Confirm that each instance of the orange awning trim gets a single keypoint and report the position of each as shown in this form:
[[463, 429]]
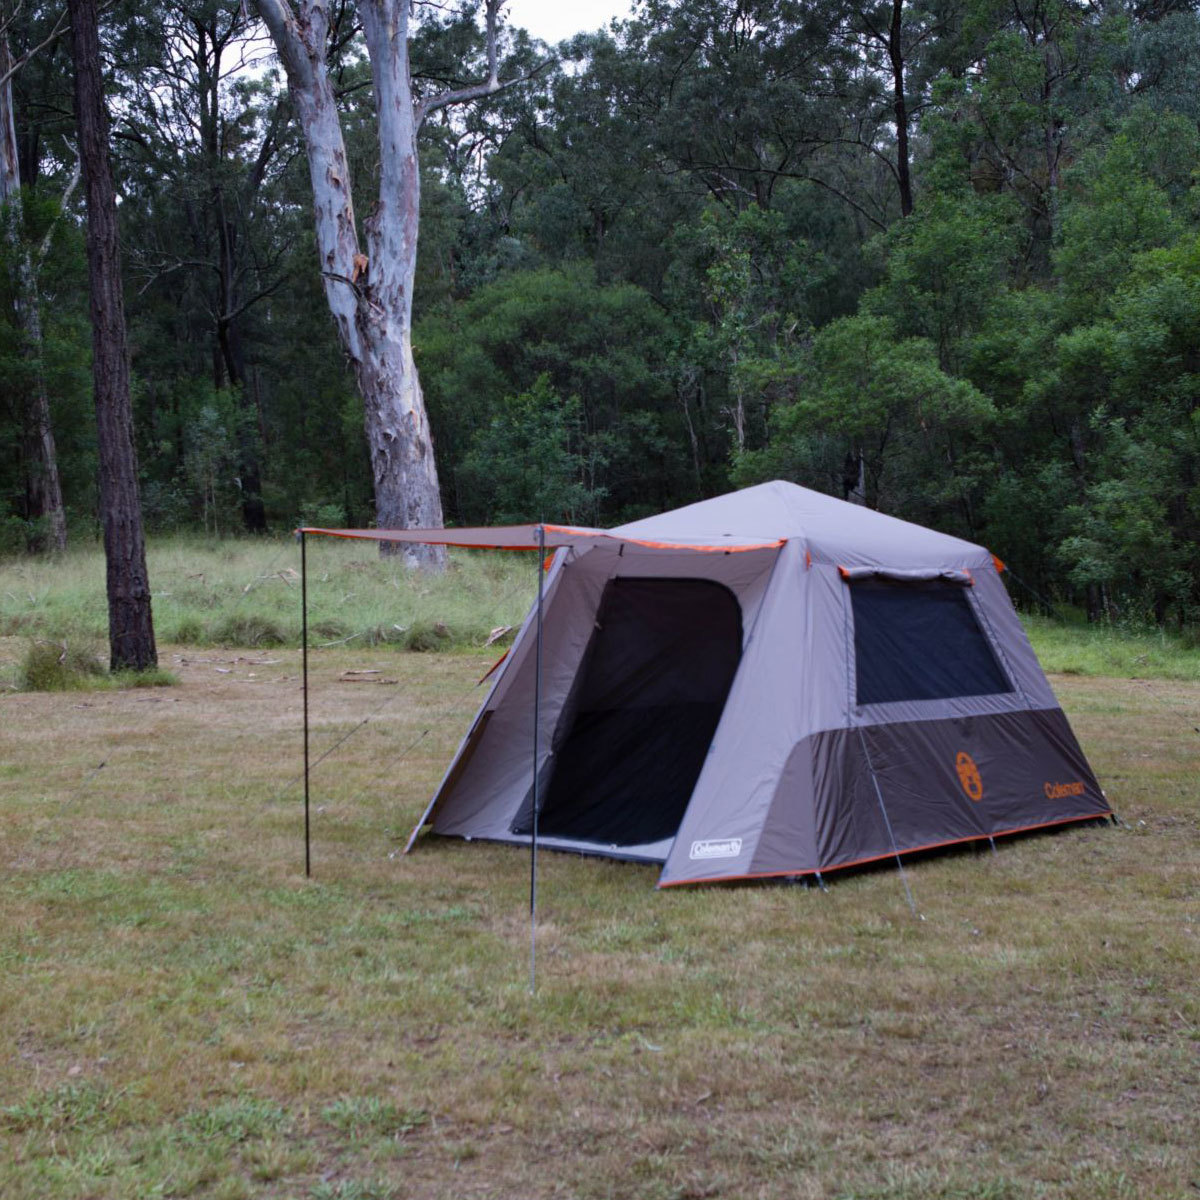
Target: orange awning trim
[[525, 537]]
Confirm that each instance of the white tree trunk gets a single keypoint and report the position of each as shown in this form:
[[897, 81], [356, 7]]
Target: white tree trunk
[[43, 487], [369, 294]]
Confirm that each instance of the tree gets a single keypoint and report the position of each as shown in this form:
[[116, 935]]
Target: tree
[[130, 624], [203, 148], [369, 283], [881, 402], [43, 490], [603, 349]]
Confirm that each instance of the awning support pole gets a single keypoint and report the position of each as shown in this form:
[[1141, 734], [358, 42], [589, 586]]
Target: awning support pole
[[304, 675], [537, 718], [888, 824]]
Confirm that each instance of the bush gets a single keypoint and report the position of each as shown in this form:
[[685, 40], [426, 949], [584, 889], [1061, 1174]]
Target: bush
[[60, 667], [248, 630]]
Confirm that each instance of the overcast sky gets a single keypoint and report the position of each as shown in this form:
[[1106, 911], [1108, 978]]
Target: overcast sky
[[553, 20]]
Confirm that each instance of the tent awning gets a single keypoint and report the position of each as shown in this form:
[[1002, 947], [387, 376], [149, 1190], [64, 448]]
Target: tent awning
[[526, 537]]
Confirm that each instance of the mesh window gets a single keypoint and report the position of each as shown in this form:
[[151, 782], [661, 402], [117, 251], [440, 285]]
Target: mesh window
[[919, 641]]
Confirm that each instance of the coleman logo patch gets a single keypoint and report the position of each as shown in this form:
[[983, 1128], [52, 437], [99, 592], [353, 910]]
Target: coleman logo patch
[[1060, 791], [717, 848], [968, 775]]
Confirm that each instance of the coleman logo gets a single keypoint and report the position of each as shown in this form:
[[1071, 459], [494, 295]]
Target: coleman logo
[[968, 775], [717, 848], [1060, 791]]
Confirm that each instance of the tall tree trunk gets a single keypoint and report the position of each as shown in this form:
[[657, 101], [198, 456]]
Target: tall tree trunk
[[370, 295], [43, 489], [895, 47], [130, 625], [229, 340]]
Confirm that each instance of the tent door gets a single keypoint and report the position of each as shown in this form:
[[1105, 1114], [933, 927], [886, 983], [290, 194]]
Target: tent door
[[649, 695]]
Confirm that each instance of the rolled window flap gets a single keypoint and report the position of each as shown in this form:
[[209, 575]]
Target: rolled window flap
[[915, 575]]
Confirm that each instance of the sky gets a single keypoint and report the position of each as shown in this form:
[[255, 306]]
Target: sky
[[553, 20]]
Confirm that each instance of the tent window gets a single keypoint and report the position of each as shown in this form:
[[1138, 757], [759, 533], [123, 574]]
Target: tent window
[[919, 641], [637, 726]]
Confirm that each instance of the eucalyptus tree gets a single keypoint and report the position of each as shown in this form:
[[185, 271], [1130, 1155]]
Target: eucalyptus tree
[[369, 274]]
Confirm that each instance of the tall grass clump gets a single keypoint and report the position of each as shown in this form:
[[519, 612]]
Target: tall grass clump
[[49, 666], [60, 667]]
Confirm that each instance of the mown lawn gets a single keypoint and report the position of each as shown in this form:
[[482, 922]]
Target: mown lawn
[[183, 1014]]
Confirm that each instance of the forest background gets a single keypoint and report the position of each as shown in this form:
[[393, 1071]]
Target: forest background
[[939, 258]]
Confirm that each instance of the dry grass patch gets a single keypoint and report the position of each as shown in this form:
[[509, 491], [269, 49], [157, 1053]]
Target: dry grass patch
[[186, 1015]]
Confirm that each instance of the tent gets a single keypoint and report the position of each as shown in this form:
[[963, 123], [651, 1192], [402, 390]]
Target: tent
[[769, 683]]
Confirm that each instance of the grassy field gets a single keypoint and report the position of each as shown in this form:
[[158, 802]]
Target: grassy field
[[183, 1014], [245, 593]]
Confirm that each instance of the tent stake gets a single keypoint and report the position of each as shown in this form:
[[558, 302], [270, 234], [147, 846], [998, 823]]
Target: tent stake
[[304, 673], [537, 716], [887, 822]]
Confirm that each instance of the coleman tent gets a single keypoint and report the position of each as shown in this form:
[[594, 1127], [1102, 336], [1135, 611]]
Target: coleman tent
[[770, 683]]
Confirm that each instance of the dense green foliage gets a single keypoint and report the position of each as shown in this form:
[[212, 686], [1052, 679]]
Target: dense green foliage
[[942, 259]]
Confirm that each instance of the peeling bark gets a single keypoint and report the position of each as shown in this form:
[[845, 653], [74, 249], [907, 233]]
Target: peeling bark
[[369, 285]]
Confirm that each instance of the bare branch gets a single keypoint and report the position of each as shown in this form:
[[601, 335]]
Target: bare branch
[[72, 184], [60, 27], [488, 87]]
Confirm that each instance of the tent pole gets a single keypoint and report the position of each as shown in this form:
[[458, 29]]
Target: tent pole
[[304, 673], [891, 834], [537, 716]]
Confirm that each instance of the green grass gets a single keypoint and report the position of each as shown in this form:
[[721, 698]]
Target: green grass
[[1082, 649], [186, 1015], [246, 593], [242, 592]]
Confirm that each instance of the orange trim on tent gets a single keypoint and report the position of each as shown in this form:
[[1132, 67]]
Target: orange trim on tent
[[998, 563], [492, 669], [859, 862]]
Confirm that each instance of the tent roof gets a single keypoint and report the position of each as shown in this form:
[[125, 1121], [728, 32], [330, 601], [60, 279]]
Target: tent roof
[[831, 530], [755, 518]]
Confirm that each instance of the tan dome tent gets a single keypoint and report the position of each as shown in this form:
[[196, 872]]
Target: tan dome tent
[[770, 683]]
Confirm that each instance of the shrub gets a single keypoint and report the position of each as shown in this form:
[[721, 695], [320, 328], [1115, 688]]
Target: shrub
[[60, 667], [248, 630]]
